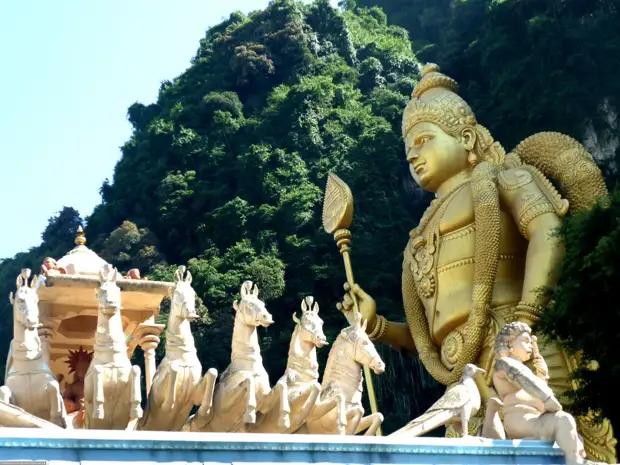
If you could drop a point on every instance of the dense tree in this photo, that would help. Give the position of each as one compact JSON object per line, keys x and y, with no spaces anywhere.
{"x":585,"y":313}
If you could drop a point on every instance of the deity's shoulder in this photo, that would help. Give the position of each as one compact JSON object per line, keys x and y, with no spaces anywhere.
{"x":527,"y":193}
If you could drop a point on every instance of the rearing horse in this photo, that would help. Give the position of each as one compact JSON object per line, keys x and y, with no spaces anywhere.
{"x":112,"y":393}
{"x":339,"y":408}
{"x":29,"y":381}
{"x":301,"y":377}
{"x":177,"y":385}
{"x":245,"y":383}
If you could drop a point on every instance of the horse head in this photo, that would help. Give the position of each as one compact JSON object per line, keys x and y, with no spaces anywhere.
{"x":251,"y":309}
{"x":360,"y":347}
{"x":26,"y":301}
{"x":108,"y":294}
{"x":310,"y":325}
{"x":183,"y":302}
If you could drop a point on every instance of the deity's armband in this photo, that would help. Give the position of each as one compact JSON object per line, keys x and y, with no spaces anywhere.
{"x":529,"y":194}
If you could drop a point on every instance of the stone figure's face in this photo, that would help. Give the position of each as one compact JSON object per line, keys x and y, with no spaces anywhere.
{"x":434,"y":156}
{"x":521,"y":347}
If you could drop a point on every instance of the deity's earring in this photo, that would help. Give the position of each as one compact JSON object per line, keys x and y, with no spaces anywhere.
{"x":472,"y":159}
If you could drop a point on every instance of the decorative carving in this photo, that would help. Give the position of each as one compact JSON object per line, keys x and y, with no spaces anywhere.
{"x":29,"y":381}
{"x":459,"y":404}
{"x":244,"y":385}
{"x":178,"y":384}
{"x":112,"y":393}
{"x":342,"y":386}
{"x":51,"y":267}
{"x":301,"y":376}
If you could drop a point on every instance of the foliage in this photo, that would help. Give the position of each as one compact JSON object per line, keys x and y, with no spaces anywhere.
{"x":585,"y":313}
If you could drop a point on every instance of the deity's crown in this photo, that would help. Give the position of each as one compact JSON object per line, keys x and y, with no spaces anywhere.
{"x":435,"y":100}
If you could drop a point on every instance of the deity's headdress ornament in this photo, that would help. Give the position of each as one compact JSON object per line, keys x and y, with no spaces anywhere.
{"x":435,"y":100}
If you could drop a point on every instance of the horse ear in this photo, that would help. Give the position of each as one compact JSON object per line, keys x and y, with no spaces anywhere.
{"x":246,"y":288}
{"x":295,"y":319}
{"x":11,"y":298}
{"x":188,"y":277}
{"x":236,"y":305}
{"x":255,"y":291}
{"x":102,"y":273}
{"x":178,"y":274}
{"x":304,"y":306}
{"x":19,"y":282}
{"x":113,"y":276}
{"x":33,"y":283}
{"x":364,"y":325}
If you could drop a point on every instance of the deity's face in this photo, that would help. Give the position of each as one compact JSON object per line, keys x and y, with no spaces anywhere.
{"x":434,"y":156}
{"x":521,"y":347}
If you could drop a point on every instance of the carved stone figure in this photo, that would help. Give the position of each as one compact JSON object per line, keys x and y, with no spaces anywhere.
{"x":73,"y":393}
{"x":530,"y":408}
{"x":301,"y":376}
{"x":134,"y":273}
{"x":339,"y":409}
{"x":244,"y":384}
{"x":112,"y":393}
{"x":485,"y":246}
{"x":460,"y":403}
{"x":29,"y":381}
{"x":178,"y":384}
{"x":51,"y":267}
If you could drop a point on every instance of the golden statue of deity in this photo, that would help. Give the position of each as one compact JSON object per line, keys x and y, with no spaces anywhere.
{"x":485,"y":246}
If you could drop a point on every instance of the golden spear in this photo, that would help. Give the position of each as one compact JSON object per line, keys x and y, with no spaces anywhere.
{"x":337,"y":219}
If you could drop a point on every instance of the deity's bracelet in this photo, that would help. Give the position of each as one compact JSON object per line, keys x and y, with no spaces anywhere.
{"x":381,"y":325}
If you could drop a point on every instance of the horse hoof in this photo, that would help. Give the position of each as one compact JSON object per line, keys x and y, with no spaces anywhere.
{"x":285,"y":422}
{"x":136,"y":413}
{"x":99,"y":413}
{"x":249,"y":417}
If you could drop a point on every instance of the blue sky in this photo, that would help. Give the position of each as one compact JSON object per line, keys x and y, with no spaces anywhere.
{"x":70,"y":69}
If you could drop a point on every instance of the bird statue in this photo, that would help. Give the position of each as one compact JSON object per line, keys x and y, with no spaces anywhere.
{"x":460,"y":402}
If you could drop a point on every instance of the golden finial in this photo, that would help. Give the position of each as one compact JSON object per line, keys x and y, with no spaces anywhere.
{"x":80,"y":237}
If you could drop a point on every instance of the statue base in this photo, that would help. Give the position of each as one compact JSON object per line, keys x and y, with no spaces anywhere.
{"x":56,"y":447}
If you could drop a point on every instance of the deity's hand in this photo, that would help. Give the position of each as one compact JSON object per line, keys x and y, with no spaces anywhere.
{"x":366,"y":304}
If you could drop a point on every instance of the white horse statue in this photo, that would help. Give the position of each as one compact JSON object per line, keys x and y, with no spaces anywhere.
{"x":301,"y":376}
{"x":29,"y":381}
{"x":339,"y":408}
{"x":177,"y":385}
{"x":245,"y":383}
{"x":112,"y":393}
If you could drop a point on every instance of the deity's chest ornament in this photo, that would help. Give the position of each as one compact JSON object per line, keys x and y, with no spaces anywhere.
{"x":423,"y":247}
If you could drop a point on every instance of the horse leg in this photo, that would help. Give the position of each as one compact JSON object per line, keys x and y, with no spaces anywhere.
{"x":171,"y":388}
{"x":249,"y":384}
{"x":370,"y":423}
{"x":322,"y":408}
{"x":300,"y":417}
{"x":98,"y":410}
{"x":206,"y":388}
{"x":57,"y":410}
{"x":136,"y":393}
{"x":279,"y":394}
{"x":354,"y":417}
{"x":5,"y":395}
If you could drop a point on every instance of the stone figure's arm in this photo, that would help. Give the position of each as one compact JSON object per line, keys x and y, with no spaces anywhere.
{"x":521,"y":376}
{"x":537,"y":210}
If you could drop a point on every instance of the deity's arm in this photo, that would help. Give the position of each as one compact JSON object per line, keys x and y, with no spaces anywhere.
{"x":537,"y":210}
{"x":398,"y":334}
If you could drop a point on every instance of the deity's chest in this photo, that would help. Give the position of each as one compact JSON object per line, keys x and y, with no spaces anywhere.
{"x":447,"y":236}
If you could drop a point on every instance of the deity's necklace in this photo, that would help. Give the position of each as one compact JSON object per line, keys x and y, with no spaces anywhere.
{"x":430,"y":211}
